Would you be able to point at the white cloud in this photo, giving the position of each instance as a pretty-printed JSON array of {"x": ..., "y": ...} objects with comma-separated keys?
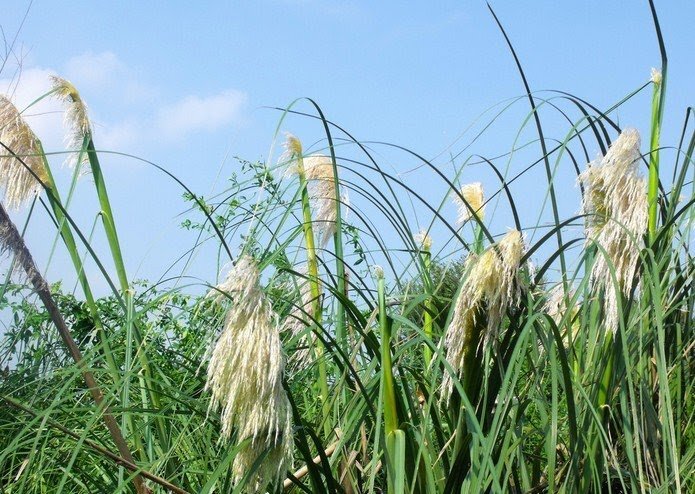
[
  {"x": 120, "y": 136},
  {"x": 105, "y": 73},
  {"x": 94, "y": 69},
  {"x": 194, "y": 114},
  {"x": 129, "y": 116},
  {"x": 44, "y": 117}
]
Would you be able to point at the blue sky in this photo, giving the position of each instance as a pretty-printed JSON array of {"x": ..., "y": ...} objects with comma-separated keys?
[{"x": 187, "y": 85}]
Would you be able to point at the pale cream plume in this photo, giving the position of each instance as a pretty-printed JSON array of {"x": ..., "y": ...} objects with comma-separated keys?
[
  {"x": 556, "y": 303},
  {"x": 556, "y": 306},
  {"x": 292, "y": 145},
  {"x": 656, "y": 76},
  {"x": 319, "y": 172},
  {"x": 76, "y": 117},
  {"x": 474, "y": 196},
  {"x": 377, "y": 271},
  {"x": 615, "y": 202},
  {"x": 16, "y": 177},
  {"x": 245, "y": 377},
  {"x": 423, "y": 240},
  {"x": 492, "y": 285}
]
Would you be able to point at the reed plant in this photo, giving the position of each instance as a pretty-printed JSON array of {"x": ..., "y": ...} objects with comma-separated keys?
[{"x": 344, "y": 352}]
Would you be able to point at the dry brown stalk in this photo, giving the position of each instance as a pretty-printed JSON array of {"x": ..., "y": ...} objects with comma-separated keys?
[{"x": 11, "y": 240}]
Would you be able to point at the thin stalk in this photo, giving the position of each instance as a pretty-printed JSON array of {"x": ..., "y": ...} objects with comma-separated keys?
[
  {"x": 12, "y": 240},
  {"x": 658, "y": 101},
  {"x": 313, "y": 274},
  {"x": 395, "y": 438},
  {"x": 605, "y": 386},
  {"x": 71, "y": 246},
  {"x": 389, "y": 392},
  {"x": 479, "y": 238},
  {"x": 117, "y": 255},
  {"x": 107, "y": 214},
  {"x": 8, "y": 275},
  {"x": 653, "y": 191},
  {"x": 429, "y": 308},
  {"x": 340, "y": 330},
  {"x": 544, "y": 150},
  {"x": 98, "y": 448},
  {"x": 340, "y": 326},
  {"x": 73, "y": 186}
]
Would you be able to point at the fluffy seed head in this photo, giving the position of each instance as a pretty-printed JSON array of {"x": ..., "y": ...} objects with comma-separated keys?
[
  {"x": 76, "y": 116},
  {"x": 19, "y": 182},
  {"x": 656, "y": 76},
  {"x": 615, "y": 202},
  {"x": 377, "y": 272},
  {"x": 245, "y": 377},
  {"x": 292, "y": 145},
  {"x": 473, "y": 195},
  {"x": 556, "y": 303},
  {"x": 491, "y": 287},
  {"x": 556, "y": 306},
  {"x": 319, "y": 173},
  {"x": 423, "y": 240}
]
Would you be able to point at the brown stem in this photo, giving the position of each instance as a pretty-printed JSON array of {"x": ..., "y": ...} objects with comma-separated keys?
[
  {"x": 11, "y": 240},
  {"x": 305, "y": 469},
  {"x": 100, "y": 449}
]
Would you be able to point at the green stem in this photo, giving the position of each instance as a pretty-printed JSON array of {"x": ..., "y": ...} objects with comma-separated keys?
[
  {"x": 395, "y": 438},
  {"x": 116, "y": 254},
  {"x": 602, "y": 399},
  {"x": 15, "y": 242},
  {"x": 478, "y": 236},
  {"x": 340, "y": 326},
  {"x": 313, "y": 274},
  {"x": 656, "y": 119},
  {"x": 71, "y": 246},
  {"x": 429, "y": 308},
  {"x": 389, "y": 393},
  {"x": 107, "y": 214},
  {"x": 73, "y": 186}
]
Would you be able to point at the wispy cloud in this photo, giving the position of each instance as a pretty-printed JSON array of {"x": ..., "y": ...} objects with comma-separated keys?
[
  {"x": 44, "y": 117},
  {"x": 106, "y": 72},
  {"x": 194, "y": 114},
  {"x": 130, "y": 114},
  {"x": 118, "y": 136},
  {"x": 95, "y": 69}
]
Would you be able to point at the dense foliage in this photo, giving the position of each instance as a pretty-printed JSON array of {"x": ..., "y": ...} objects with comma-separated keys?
[{"x": 469, "y": 360}]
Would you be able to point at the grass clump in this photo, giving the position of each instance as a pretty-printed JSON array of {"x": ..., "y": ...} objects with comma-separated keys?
[{"x": 346, "y": 353}]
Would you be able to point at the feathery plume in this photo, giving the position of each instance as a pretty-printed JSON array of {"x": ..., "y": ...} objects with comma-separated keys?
[
  {"x": 377, "y": 271},
  {"x": 473, "y": 195},
  {"x": 292, "y": 145},
  {"x": 656, "y": 76},
  {"x": 20, "y": 144},
  {"x": 292, "y": 153},
  {"x": 76, "y": 117},
  {"x": 615, "y": 202},
  {"x": 319, "y": 172},
  {"x": 556, "y": 306},
  {"x": 245, "y": 378},
  {"x": 423, "y": 240},
  {"x": 490, "y": 289}
]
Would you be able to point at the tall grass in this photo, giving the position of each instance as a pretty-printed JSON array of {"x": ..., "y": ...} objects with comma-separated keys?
[{"x": 428, "y": 356}]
